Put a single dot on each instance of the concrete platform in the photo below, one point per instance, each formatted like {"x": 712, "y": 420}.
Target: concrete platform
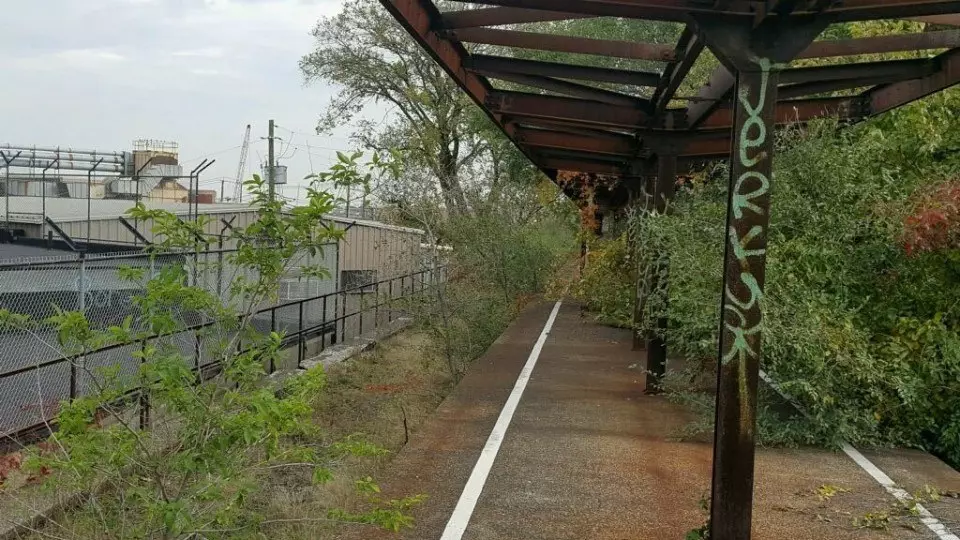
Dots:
{"x": 587, "y": 456}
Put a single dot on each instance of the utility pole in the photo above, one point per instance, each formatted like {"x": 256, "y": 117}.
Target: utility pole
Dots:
{"x": 348, "y": 200}
{"x": 270, "y": 161}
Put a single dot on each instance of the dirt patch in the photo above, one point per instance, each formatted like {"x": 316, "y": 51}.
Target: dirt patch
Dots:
{"x": 381, "y": 397}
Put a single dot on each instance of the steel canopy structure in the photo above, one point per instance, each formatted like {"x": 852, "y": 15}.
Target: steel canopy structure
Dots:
{"x": 631, "y": 124}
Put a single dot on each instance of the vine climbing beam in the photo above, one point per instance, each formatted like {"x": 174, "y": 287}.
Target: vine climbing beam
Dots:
{"x": 755, "y": 54}
{"x": 656, "y": 345}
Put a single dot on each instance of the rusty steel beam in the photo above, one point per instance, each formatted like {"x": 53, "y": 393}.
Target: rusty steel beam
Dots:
{"x": 564, "y": 87}
{"x": 681, "y": 10}
{"x": 538, "y": 123}
{"x": 587, "y": 113}
{"x": 781, "y": 37}
{"x": 715, "y": 148}
{"x": 578, "y": 165}
{"x": 581, "y": 156}
{"x": 800, "y": 111}
{"x": 755, "y": 53}
{"x": 598, "y": 147}
{"x": 688, "y": 51}
{"x": 943, "y": 20}
{"x": 534, "y": 108}
{"x": 417, "y": 17}
{"x": 895, "y": 95}
{"x": 592, "y": 144}
{"x": 648, "y": 134}
{"x": 472, "y": 18}
{"x": 588, "y": 132}
{"x": 822, "y": 87}
{"x": 654, "y": 10}
{"x": 562, "y": 71}
{"x": 569, "y": 44}
{"x": 864, "y": 10}
{"x": 717, "y": 90}
{"x": 943, "y": 39}
{"x": 893, "y": 70}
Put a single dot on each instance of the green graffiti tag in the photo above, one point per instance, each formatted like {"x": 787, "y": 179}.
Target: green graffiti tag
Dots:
{"x": 739, "y": 245}
{"x": 740, "y": 348}
{"x": 754, "y": 120}
{"x": 753, "y": 135}
{"x": 743, "y": 201}
{"x": 755, "y": 293}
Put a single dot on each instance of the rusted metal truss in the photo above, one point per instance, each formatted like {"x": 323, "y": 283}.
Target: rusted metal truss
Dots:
{"x": 631, "y": 123}
{"x": 581, "y": 96}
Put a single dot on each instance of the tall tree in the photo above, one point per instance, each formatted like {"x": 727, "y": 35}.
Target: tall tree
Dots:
{"x": 364, "y": 52}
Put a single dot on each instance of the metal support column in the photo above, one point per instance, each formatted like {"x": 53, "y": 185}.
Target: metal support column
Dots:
{"x": 656, "y": 345}
{"x": 755, "y": 53}
{"x": 77, "y": 363}
{"x": 43, "y": 195}
{"x": 89, "y": 197}
{"x": 748, "y": 216}
{"x": 8, "y": 233}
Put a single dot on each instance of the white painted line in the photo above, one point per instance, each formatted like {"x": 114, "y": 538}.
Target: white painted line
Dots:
{"x": 471, "y": 492}
{"x": 932, "y": 523}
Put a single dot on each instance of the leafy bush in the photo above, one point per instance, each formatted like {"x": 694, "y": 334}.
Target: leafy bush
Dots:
{"x": 189, "y": 466}
{"x": 495, "y": 266}
{"x": 602, "y": 287}
{"x": 861, "y": 306}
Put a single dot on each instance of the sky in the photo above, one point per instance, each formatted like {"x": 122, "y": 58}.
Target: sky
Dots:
{"x": 101, "y": 73}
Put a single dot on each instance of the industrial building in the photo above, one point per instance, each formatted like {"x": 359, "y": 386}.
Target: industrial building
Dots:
{"x": 53, "y": 193}
{"x": 65, "y": 231}
{"x": 151, "y": 171}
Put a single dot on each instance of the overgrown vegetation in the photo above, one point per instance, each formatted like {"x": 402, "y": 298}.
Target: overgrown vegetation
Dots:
{"x": 862, "y": 320}
{"x": 385, "y": 394}
{"x": 210, "y": 443}
{"x": 495, "y": 267}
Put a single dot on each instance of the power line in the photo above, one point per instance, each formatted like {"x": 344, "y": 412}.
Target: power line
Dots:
{"x": 218, "y": 152}
{"x": 316, "y": 135}
{"x": 297, "y": 132}
{"x": 284, "y": 149}
{"x": 308, "y": 150}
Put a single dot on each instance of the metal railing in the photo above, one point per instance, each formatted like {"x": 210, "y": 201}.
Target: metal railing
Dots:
{"x": 302, "y": 322}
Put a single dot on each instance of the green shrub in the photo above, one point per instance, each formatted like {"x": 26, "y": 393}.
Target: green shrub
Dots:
{"x": 862, "y": 334}
{"x": 607, "y": 286}
{"x": 495, "y": 266}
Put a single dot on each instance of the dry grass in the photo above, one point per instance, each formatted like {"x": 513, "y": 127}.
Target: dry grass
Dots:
{"x": 384, "y": 395}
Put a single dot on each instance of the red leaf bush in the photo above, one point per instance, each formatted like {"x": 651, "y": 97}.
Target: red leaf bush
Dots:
{"x": 934, "y": 224}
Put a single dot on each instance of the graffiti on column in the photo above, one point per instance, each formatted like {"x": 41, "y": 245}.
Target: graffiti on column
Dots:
{"x": 749, "y": 186}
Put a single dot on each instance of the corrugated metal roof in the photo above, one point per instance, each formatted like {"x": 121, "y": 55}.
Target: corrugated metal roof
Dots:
{"x": 64, "y": 210}
{"x": 67, "y": 210}
{"x": 374, "y": 224}
{"x": 17, "y": 252}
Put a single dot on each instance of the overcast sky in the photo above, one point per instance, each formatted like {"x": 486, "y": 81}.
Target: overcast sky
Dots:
{"x": 100, "y": 73}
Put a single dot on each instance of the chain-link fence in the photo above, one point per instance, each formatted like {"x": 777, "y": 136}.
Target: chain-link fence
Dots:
{"x": 38, "y": 371}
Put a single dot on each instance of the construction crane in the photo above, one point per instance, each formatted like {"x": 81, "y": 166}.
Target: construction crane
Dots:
{"x": 238, "y": 190}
